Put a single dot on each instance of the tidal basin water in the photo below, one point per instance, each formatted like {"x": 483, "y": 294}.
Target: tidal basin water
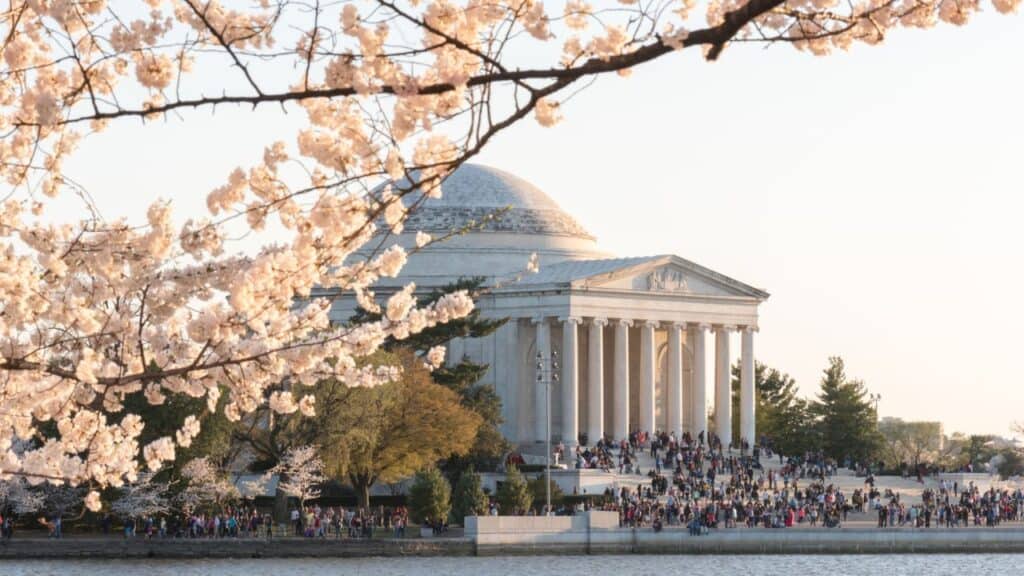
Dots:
{"x": 898, "y": 564}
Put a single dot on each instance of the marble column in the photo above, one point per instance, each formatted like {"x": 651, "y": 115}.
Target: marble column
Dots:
{"x": 748, "y": 396}
{"x": 540, "y": 387}
{"x": 700, "y": 381}
{"x": 647, "y": 385}
{"x": 620, "y": 414}
{"x": 723, "y": 387}
{"x": 516, "y": 409}
{"x": 675, "y": 379}
{"x": 595, "y": 381}
{"x": 570, "y": 381}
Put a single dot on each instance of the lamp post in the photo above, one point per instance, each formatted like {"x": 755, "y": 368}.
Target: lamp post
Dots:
{"x": 547, "y": 372}
{"x": 875, "y": 398}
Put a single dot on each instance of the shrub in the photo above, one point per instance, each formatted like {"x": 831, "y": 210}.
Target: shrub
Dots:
{"x": 540, "y": 495}
{"x": 469, "y": 498}
{"x": 429, "y": 496}
{"x": 514, "y": 495}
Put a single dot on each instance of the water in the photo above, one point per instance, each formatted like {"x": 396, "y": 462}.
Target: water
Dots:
{"x": 878, "y": 565}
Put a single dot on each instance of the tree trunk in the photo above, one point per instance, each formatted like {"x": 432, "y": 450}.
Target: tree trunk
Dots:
{"x": 361, "y": 484}
{"x": 280, "y": 511}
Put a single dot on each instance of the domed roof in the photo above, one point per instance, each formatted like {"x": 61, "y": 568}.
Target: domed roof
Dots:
{"x": 474, "y": 192}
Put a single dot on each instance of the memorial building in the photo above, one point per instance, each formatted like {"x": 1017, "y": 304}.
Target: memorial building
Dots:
{"x": 642, "y": 343}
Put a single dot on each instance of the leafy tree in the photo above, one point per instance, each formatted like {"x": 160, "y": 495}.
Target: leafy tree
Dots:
{"x": 384, "y": 433}
{"x": 514, "y": 495}
{"x": 1011, "y": 463}
{"x": 539, "y": 494}
{"x": 429, "y": 496}
{"x": 469, "y": 498}
{"x": 489, "y": 445}
{"x": 464, "y": 377}
{"x": 780, "y": 414}
{"x": 910, "y": 443}
{"x": 960, "y": 450}
{"x": 846, "y": 420}
{"x": 978, "y": 449}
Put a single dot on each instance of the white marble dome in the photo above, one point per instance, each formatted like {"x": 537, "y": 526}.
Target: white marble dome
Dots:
{"x": 526, "y": 221}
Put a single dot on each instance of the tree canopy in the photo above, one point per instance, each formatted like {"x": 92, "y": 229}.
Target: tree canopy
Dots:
{"x": 846, "y": 420}
{"x": 388, "y": 432}
{"x": 910, "y": 443}
{"x": 462, "y": 376}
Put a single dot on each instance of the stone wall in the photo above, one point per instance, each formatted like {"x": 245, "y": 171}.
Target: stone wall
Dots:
{"x": 94, "y": 547}
{"x": 595, "y": 533}
{"x": 598, "y": 533}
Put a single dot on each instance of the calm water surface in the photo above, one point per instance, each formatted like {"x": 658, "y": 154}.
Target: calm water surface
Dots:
{"x": 917, "y": 565}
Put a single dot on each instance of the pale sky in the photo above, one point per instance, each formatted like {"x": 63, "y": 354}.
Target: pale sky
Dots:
{"x": 876, "y": 195}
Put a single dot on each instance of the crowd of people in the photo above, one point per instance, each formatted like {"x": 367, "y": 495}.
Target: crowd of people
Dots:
{"x": 699, "y": 485}
{"x": 309, "y": 522}
{"x": 950, "y": 506}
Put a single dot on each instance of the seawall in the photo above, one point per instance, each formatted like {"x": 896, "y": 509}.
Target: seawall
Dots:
{"x": 112, "y": 547}
{"x": 593, "y": 542}
{"x": 598, "y": 533}
{"x": 836, "y": 541}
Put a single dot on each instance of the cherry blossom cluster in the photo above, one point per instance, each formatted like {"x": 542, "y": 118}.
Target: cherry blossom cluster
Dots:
{"x": 205, "y": 484}
{"x": 301, "y": 472}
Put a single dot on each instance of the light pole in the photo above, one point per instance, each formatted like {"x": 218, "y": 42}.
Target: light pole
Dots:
{"x": 547, "y": 372}
{"x": 875, "y": 398}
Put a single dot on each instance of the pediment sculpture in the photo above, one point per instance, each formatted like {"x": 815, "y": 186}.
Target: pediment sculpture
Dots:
{"x": 667, "y": 280}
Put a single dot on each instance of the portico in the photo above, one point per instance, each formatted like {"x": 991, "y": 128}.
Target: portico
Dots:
{"x": 644, "y": 321}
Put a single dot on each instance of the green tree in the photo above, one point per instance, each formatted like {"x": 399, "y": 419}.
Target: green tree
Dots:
{"x": 1011, "y": 463}
{"x": 539, "y": 494}
{"x": 489, "y": 445}
{"x": 910, "y": 443}
{"x": 429, "y": 496}
{"x": 514, "y": 496}
{"x": 469, "y": 498}
{"x": 846, "y": 420}
{"x": 384, "y": 433}
{"x": 464, "y": 378}
{"x": 780, "y": 414}
{"x": 978, "y": 450}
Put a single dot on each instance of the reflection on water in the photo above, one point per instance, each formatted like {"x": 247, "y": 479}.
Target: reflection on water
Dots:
{"x": 909, "y": 564}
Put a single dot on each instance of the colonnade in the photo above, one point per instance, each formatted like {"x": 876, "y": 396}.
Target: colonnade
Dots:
{"x": 596, "y": 409}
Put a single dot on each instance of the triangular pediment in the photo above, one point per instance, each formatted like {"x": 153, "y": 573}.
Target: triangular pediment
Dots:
{"x": 670, "y": 275}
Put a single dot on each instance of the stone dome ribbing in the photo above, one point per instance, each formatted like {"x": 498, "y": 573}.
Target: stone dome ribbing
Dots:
{"x": 473, "y": 192}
